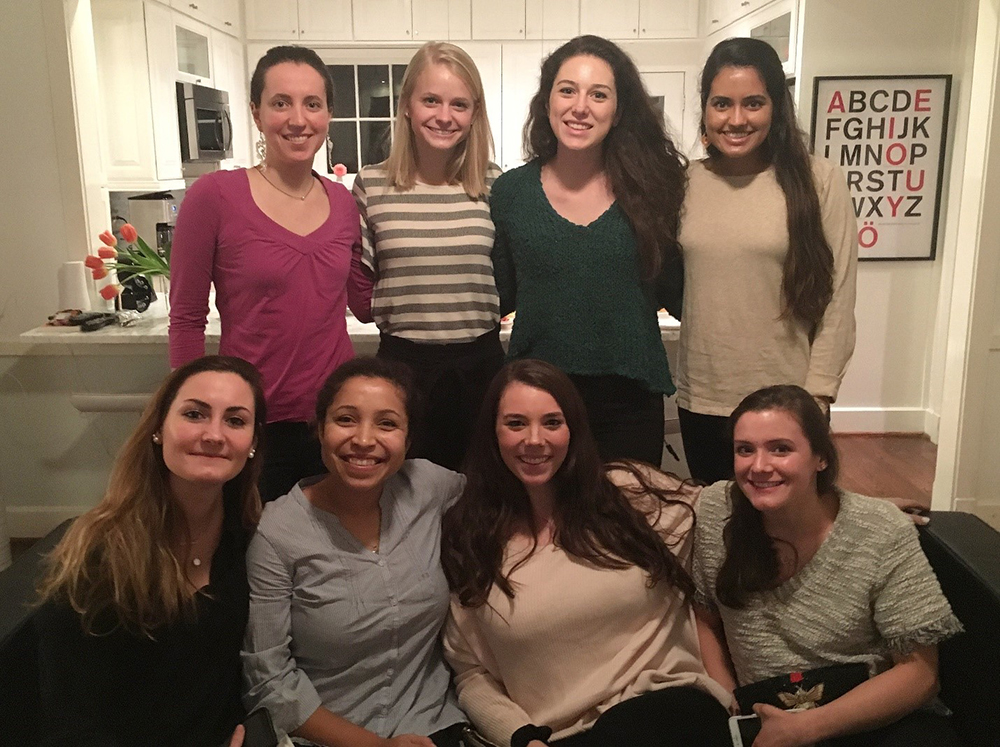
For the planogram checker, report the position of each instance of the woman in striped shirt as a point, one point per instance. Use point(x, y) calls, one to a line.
point(427, 237)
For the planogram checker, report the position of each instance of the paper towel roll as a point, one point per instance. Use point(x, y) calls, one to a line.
point(74, 286)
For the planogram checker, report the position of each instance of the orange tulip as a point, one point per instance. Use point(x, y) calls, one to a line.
point(99, 273)
point(108, 238)
point(129, 233)
point(106, 252)
point(93, 262)
point(110, 291)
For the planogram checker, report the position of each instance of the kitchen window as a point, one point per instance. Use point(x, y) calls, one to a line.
point(366, 97)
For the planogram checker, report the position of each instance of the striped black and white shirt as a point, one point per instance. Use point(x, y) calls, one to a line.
point(429, 248)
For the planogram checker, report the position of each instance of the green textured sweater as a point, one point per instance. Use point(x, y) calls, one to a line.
point(581, 304)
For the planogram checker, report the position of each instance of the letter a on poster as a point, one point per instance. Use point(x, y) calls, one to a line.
point(888, 135)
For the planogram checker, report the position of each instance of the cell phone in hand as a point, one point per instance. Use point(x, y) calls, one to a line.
point(744, 729)
point(259, 730)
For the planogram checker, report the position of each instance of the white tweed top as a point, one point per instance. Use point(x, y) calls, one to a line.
point(868, 591)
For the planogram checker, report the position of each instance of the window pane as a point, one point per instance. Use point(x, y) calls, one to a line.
point(374, 142)
point(397, 84)
point(373, 90)
point(343, 91)
point(344, 141)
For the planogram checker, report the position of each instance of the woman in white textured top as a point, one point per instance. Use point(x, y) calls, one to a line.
point(571, 619)
point(806, 576)
point(770, 256)
point(427, 237)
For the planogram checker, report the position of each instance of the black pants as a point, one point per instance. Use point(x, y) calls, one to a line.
point(452, 379)
point(291, 451)
point(625, 417)
point(708, 445)
point(919, 729)
point(672, 717)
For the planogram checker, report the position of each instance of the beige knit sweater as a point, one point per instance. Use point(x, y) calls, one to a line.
point(735, 237)
point(573, 642)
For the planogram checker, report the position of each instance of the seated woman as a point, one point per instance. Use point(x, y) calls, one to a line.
point(805, 575)
point(347, 596)
point(571, 621)
point(146, 598)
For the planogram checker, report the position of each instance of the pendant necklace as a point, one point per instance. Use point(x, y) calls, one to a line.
point(300, 198)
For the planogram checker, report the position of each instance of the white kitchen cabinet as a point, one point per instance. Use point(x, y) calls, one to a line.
point(552, 19)
point(431, 20)
point(383, 20)
point(522, 62)
point(230, 76)
point(200, 10)
point(140, 145)
point(273, 19)
point(498, 19)
point(459, 19)
point(223, 15)
point(192, 49)
point(668, 19)
point(325, 20)
point(613, 20)
point(721, 13)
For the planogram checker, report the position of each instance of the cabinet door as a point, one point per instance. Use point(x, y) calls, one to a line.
point(377, 20)
point(227, 17)
point(719, 14)
point(323, 20)
point(273, 19)
point(498, 19)
point(430, 20)
point(201, 10)
point(668, 19)
point(162, 58)
point(613, 20)
point(459, 19)
point(522, 62)
point(552, 19)
point(193, 45)
point(230, 76)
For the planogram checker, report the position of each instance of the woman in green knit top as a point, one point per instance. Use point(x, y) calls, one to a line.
point(586, 241)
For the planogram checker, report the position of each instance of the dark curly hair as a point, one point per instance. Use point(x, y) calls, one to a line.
point(595, 519)
point(646, 172)
point(807, 282)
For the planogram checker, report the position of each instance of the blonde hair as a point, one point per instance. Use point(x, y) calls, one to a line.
point(115, 566)
point(471, 159)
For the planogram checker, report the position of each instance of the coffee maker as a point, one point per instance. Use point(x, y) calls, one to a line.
point(154, 216)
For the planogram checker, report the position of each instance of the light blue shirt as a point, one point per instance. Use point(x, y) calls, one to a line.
point(334, 624)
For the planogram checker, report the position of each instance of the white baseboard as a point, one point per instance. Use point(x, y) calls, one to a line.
point(879, 420)
point(37, 521)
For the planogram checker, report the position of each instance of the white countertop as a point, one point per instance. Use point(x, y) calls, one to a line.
point(151, 329)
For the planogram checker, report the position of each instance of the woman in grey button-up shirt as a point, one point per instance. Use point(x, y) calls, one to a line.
point(347, 595)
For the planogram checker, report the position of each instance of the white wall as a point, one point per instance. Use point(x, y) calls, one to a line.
point(889, 384)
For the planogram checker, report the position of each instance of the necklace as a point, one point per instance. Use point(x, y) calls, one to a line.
point(301, 198)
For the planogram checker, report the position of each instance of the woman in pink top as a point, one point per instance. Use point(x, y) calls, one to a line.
point(282, 247)
point(571, 619)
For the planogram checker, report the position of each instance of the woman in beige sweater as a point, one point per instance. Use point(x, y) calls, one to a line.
point(571, 620)
point(770, 251)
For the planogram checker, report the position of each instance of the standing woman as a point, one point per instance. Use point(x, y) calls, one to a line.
point(146, 599)
point(282, 247)
point(427, 237)
point(586, 245)
point(770, 256)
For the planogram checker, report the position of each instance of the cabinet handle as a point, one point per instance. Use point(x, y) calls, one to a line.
point(192, 5)
point(226, 23)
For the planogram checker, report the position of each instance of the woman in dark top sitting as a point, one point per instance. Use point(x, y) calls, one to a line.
point(146, 596)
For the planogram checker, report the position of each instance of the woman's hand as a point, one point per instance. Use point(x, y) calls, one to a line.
point(408, 740)
point(237, 739)
point(780, 728)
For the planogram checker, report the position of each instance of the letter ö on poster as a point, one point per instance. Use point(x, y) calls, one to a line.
point(888, 135)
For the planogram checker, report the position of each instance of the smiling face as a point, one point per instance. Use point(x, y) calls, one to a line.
point(583, 102)
point(440, 110)
point(208, 430)
point(364, 435)
point(293, 114)
point(532, 434)
point(737, 117)
point(775, 466)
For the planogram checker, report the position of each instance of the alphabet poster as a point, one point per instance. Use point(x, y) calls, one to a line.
point(888, 135)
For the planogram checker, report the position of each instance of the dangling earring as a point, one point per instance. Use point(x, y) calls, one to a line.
point(261, 148)
point(329, 152)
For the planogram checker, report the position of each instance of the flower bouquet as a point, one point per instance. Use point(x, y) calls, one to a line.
point(136, 258)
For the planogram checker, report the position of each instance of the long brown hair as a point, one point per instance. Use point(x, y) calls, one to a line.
point(471, 159)
point(646, 172)
point(595, 519)
point(751, 562)
point(807, 281)
point(115, 565)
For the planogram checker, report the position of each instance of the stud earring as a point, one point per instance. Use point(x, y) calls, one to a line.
point(704, 140)
point(156, 439)
point(252, 453)
point(261, 149)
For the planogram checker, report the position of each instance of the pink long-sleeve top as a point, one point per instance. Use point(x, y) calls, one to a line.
point(281, 297)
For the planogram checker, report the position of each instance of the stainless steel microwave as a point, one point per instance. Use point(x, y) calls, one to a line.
point(205, 125)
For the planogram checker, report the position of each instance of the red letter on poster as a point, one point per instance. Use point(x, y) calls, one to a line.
point(923, 101)
point(836, 103)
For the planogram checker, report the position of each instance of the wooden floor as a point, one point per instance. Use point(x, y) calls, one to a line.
point(889, 466)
